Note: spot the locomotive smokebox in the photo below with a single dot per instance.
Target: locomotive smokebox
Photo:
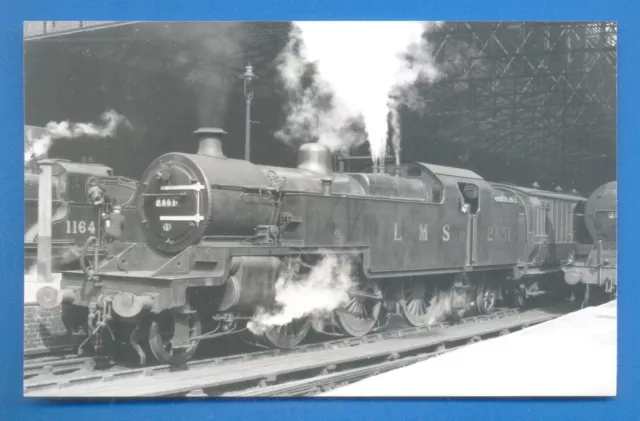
(315, 158)
(210, 141)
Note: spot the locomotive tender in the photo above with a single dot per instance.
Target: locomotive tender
(74, 218)
(219, 232)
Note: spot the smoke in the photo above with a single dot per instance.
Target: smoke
(394, 121)
(323, 290)
(441, 305)
(208, 56)
(39, 147)
(360, 71)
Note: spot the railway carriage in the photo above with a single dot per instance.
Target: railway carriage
(549, 222)
(219, 233)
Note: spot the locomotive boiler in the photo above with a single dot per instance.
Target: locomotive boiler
(220, 232)
(593, 260)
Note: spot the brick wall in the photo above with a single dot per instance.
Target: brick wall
(45, 329)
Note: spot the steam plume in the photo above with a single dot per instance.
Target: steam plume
(111, 121)
(361, 70)
(206, 53)
(322, 291)
(441, 306)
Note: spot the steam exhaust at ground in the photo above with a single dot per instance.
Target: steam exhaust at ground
(323, 290)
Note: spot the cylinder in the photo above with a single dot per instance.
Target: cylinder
(252, 285)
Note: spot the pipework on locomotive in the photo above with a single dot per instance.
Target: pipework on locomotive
(220, 232)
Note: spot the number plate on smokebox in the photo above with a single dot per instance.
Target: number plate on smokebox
(168, 202)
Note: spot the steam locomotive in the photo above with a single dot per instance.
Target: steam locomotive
(74, 217)
(593, 262)
(220, 232)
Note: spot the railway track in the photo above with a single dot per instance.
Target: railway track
(327, 381)
(50, 370)
(349, 372)
(62, 370)
(57, 366)
(309, 366)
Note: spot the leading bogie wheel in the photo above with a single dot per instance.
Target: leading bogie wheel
(160, 335)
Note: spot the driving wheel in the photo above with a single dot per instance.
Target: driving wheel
(360, 314)
(415, 300)
(289, 335)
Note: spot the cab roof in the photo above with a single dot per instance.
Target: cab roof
(441, 170)
(541, 193)
(80, 168)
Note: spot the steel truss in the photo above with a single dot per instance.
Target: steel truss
(545, 91)
(542, 92)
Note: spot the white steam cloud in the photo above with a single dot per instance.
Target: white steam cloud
(361, 70)
(39, 147)
(441, 306)
(323, 290)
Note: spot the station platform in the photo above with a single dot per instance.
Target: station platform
(573, 355)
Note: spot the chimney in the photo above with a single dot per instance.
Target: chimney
(210, 141)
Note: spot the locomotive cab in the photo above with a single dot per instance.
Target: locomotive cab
(74, 218)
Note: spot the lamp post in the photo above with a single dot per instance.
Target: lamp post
(248, 77)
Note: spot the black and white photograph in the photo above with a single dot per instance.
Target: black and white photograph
(320, 209)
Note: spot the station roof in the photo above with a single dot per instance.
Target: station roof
(540, 97)
(209, 53)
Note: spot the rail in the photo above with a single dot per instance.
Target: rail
(244, 371)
